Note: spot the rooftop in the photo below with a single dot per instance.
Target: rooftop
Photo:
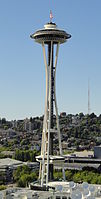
(84, 153)
(9, 162)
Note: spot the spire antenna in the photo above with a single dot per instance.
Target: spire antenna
(51, 16)
(88, 97)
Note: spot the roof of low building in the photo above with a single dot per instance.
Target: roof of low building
(9, 162)
(84, 153)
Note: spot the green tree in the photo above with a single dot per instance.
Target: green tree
(69, 175)
(23, 175)
(2, 187)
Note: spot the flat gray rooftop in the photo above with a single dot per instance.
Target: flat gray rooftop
(9, 162)
(77, 166)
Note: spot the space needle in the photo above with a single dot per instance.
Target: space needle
(50, 37)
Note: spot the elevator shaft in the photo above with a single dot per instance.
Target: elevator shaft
(52, 101)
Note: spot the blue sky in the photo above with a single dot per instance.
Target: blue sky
(22, 71)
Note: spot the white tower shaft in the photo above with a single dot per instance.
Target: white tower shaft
(48, 129)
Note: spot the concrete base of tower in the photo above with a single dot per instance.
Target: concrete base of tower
(52, 185)
(37, 186)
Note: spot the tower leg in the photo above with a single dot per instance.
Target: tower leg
(56, 109)
(44, 134)
(50, 122)
(50, 65)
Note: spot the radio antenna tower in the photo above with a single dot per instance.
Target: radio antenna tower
(88, 97)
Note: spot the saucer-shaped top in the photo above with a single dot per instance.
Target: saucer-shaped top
(50, 33)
